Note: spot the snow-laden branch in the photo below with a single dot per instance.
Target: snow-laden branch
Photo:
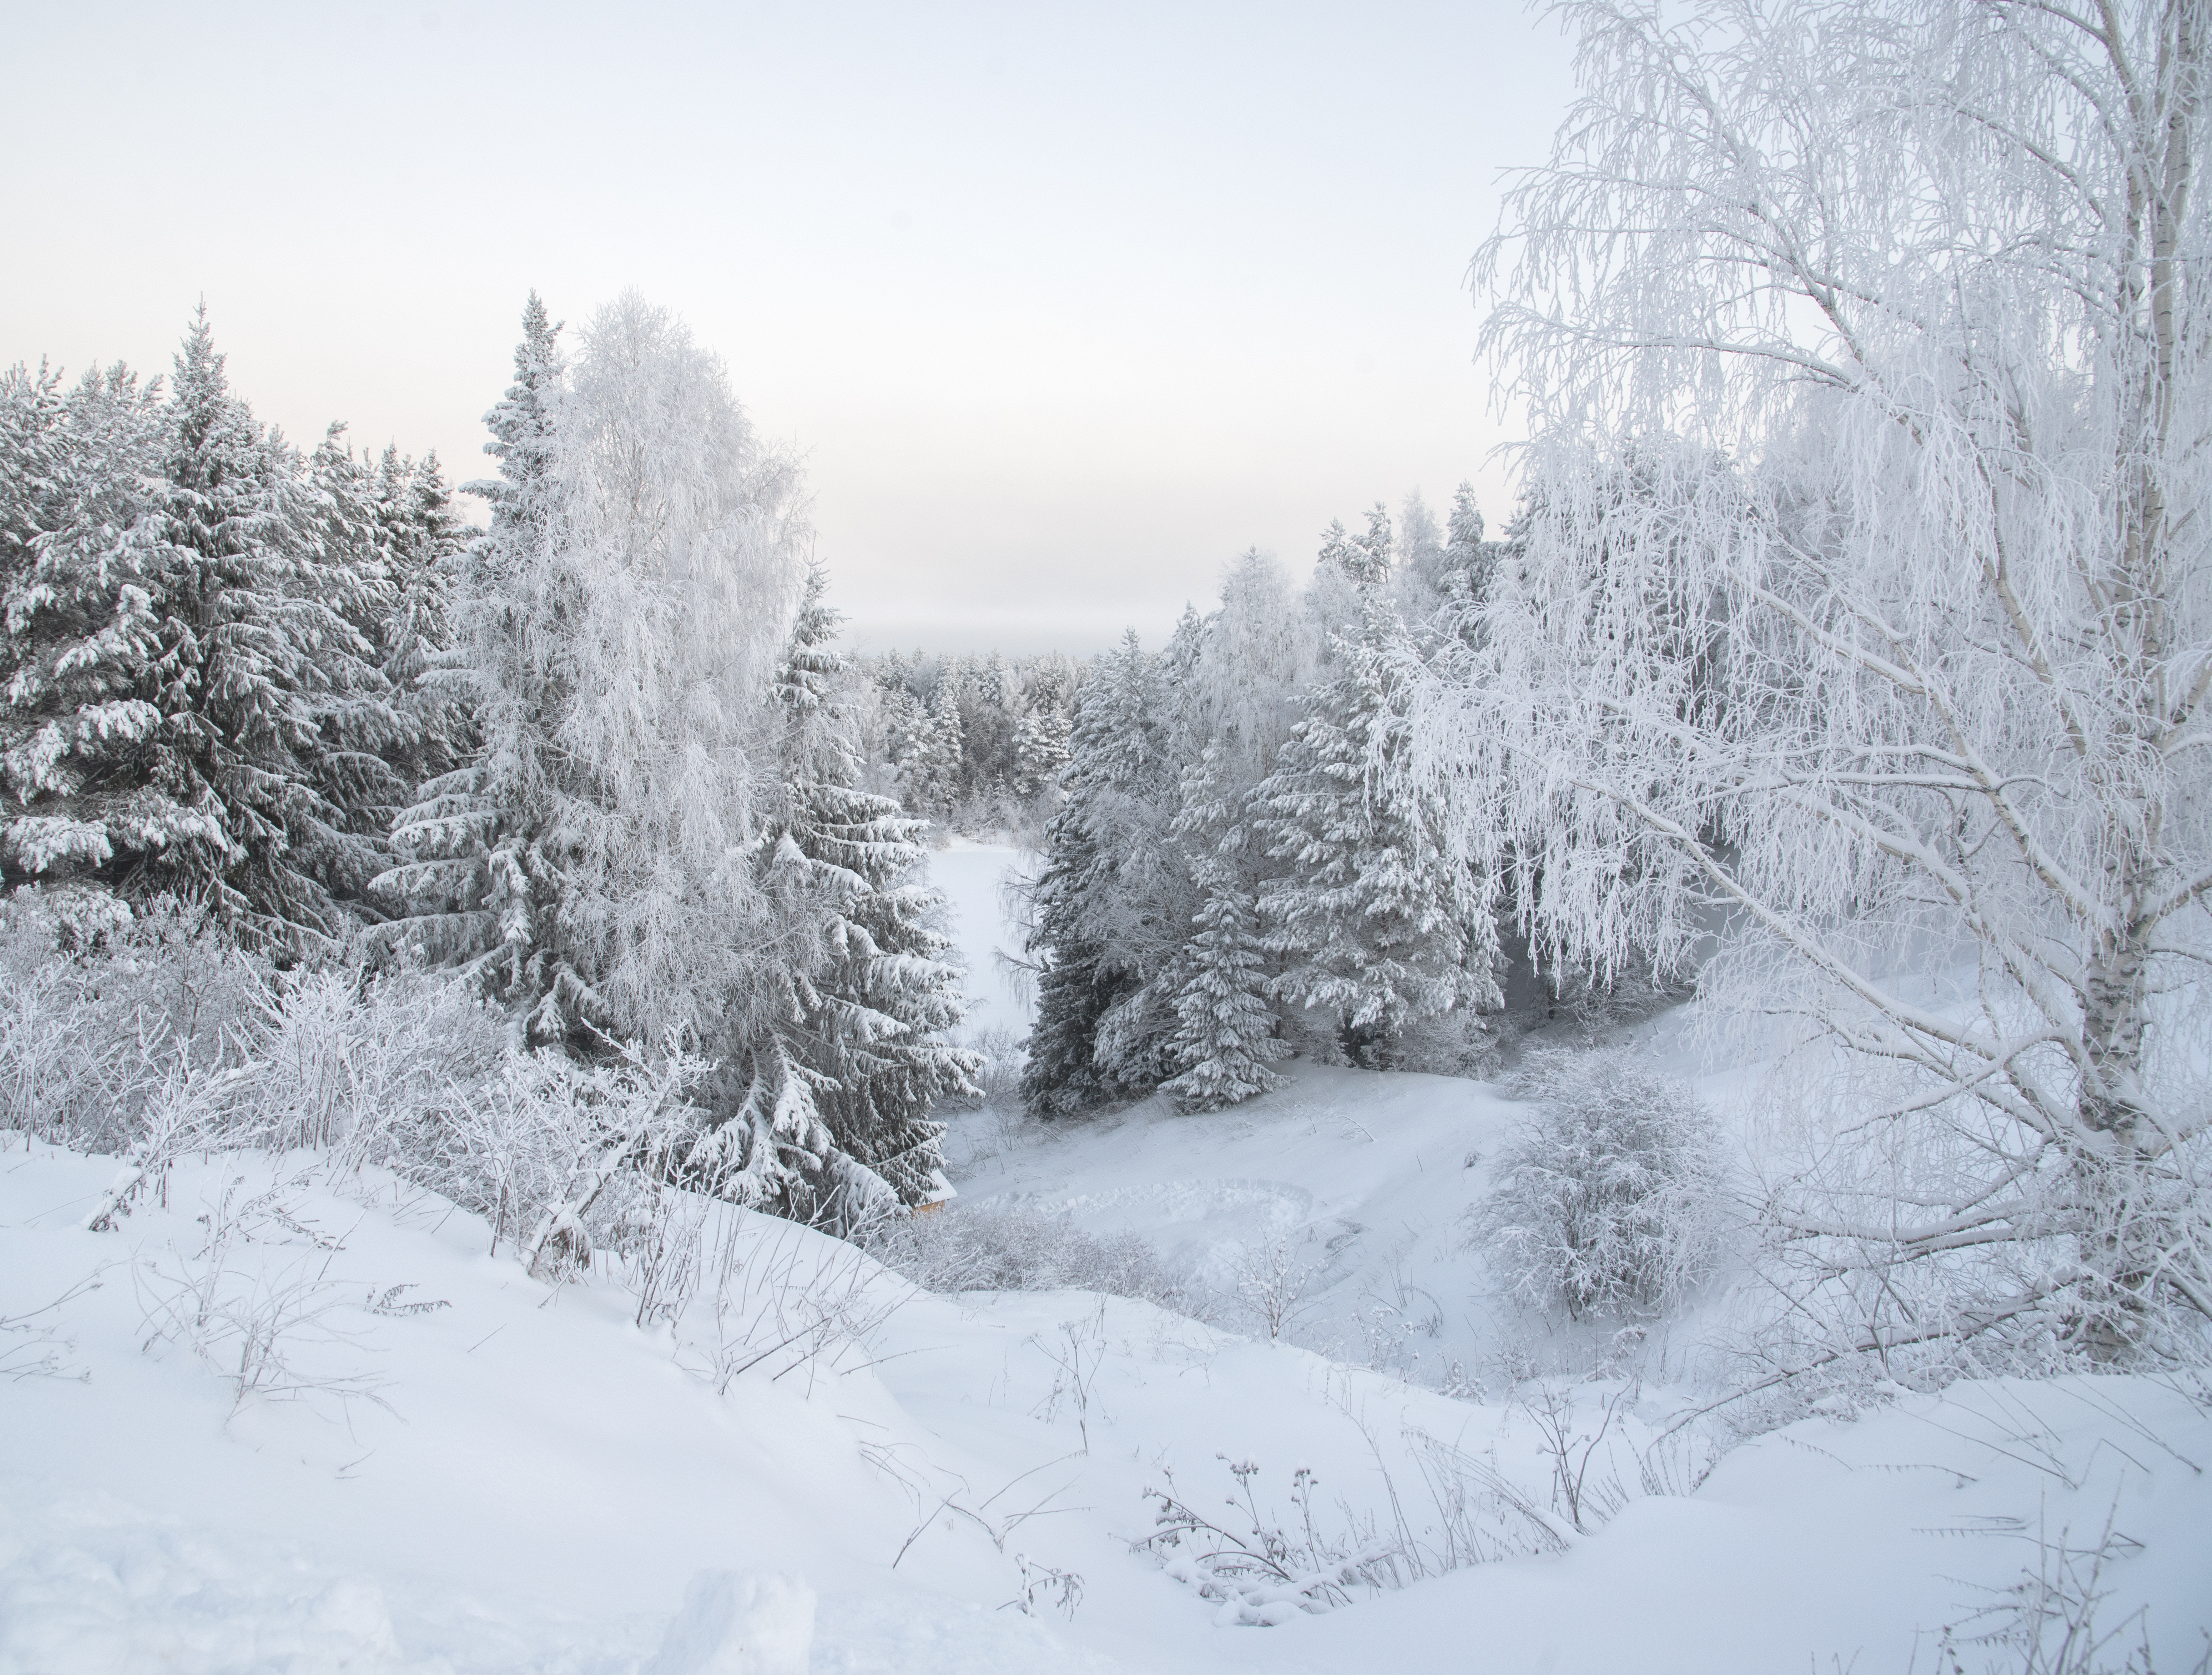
(1859, 624)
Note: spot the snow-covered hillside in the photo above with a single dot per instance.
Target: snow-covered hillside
(233, 1442)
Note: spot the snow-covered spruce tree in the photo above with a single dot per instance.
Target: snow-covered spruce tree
(1040, 749)
(186, 668)
(1465, 555)
(1934, 282)
(370, 753)
(1241, 697)
(260, 652)
(1058, 1076)
(851, 1016)
(472, 884)
(85, 575)
(972, 742)
(616, 634)
(941, 749)
(928, 745)
(1348, 568)
(1110, 911)
(1227, 1038)
(1377, 922)
(423, 545)
(1364, 560)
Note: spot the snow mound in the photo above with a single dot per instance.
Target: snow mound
(734, 1624)
(99, 1588)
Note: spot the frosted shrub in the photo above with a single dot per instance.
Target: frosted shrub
(956, 1249)
(1272, 1280)
(105, 1014)
(536, 1146)
(151, 1036)
(372, 1066)
(999, 1081)
(413, 1072)
(1610, 1191)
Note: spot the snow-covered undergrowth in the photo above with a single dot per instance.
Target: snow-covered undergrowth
(290, 1410)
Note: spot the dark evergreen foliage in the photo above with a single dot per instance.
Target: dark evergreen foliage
(864, 1006)
(193, 698)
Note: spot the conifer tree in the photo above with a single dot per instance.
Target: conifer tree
(187, 680)
(1074, 985)
(473, 883)
(1225, 1036)
(854, 1031)
(1376, 922)
(1364, 560)
(260, 650)
(1349, 569)
(1465, 554)
(86, 577)
(1112, 908)
(361, 761)
(1227, 1039)
(424, 544)
(1040, 749)
(945, 747)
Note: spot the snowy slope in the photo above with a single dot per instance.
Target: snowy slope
(546, 1479)
(524, 1478)
(1359, 1181)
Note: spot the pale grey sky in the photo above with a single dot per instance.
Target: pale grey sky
(1064, 304)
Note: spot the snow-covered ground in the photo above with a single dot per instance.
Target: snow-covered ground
(483, 1472)
(973, 875)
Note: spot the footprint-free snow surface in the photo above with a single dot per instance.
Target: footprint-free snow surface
(296, 1422)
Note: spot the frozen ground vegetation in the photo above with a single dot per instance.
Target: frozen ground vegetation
(1610, 1199)
(993, 1247)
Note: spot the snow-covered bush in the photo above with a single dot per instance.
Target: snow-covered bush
(366, 1065)
(1464, 1041)
(541, 1146)
(158, 1038)
(993, 1249)
(102, 1010)
(1272, 1283)
(1609, 1195)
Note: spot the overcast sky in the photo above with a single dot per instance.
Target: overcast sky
(1064, 305)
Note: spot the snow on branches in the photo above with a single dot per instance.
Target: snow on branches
(1861, 608)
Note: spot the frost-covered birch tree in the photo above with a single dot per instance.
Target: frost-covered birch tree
(1864, 612)
(616, 633)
